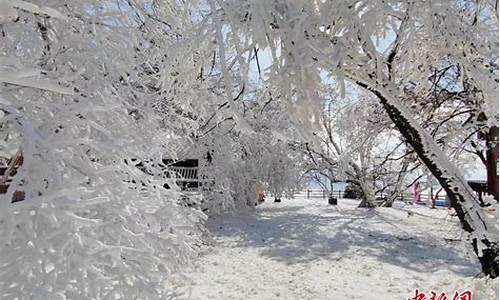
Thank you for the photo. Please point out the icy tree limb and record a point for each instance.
(228, 84)
(36, 83)
(35, 9)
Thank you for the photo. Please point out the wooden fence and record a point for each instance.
(318, 194)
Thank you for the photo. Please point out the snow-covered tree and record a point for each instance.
(377, 46)
(257, 158)
(91, 88)
(355, 143)
(79, 105)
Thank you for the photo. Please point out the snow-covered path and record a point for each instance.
(304, 249)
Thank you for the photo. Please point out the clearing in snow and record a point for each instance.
(307, 249)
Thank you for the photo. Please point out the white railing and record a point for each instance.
(184, 173)
(187, 174)
(310, 194)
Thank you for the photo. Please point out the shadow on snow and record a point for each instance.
(291, 236)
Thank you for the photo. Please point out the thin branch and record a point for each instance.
(256, 51)
(453, 115)
(310, 154)
(213, 63)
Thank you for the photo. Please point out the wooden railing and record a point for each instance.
(6, 174)
(187, 174)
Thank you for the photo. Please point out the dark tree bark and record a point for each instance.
(462, 198)
(492, 161)
(366, 204)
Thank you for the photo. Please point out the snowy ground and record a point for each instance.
(306, 249)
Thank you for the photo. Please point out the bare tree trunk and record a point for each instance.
(366, 204)
(390, 199)
(369, 195)
(462, 198)
(492, 161)
(396, 191)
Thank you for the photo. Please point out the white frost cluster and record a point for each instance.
(73, 102)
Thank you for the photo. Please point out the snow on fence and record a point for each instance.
(6, 174)
(187, 174)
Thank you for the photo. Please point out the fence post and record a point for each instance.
(308, 192)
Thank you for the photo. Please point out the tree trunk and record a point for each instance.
(366, 204)
(359, 178)
(492, 161)
(484, 238)
(396, 191)
(389, 201)
(368, 195)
